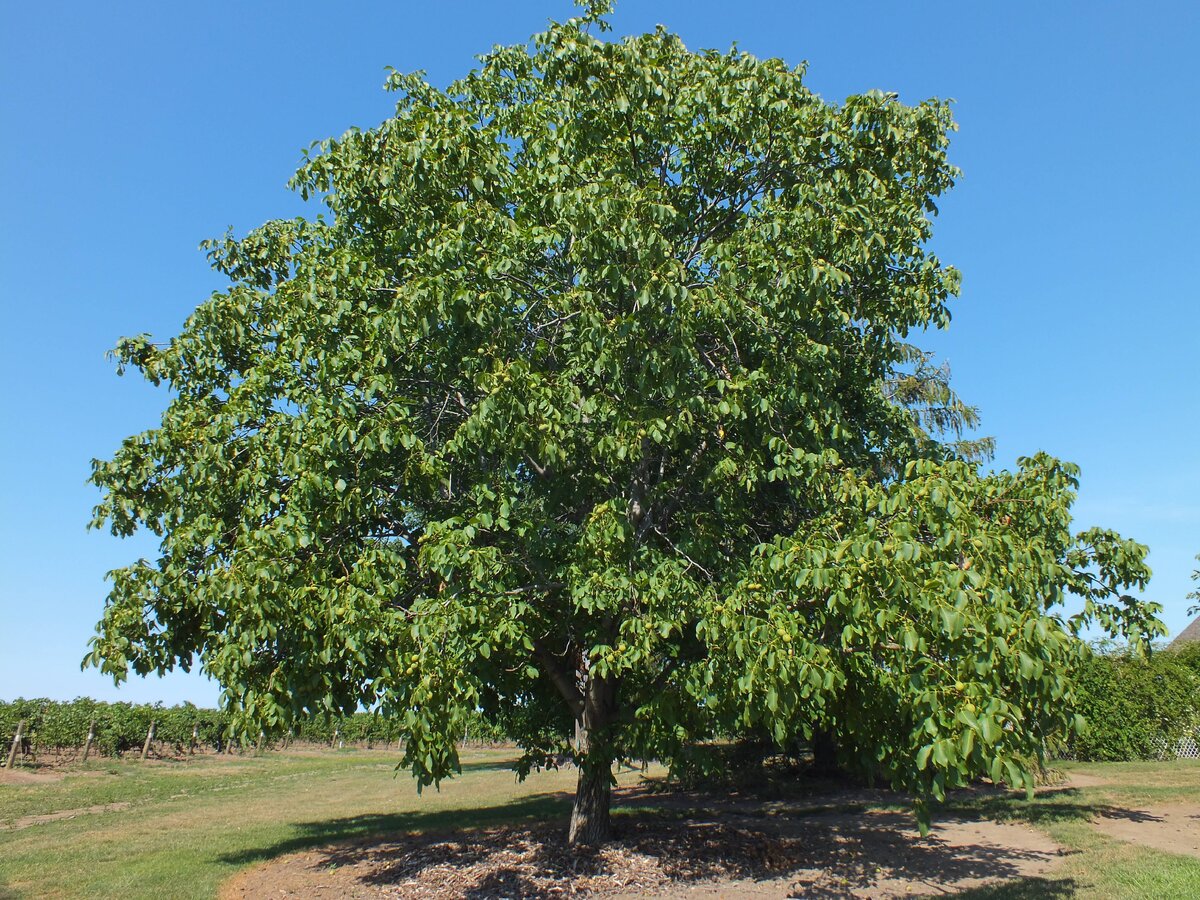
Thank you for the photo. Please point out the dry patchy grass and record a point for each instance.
(180, 829)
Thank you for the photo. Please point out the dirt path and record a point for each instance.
(1172, 828)
(875, 854)
(22, 776)
(29, 821)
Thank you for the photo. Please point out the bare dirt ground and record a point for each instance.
(729, 852)
(1172, 828)
(23, 776)
(1169, 827)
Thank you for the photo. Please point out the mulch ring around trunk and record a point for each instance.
(876, 853)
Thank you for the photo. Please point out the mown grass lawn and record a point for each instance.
(190, 825)
(178, 829)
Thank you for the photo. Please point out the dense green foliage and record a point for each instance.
(122, 727)
(1136, 706)
(589, 403)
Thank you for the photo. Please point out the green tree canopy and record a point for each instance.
(587, 403)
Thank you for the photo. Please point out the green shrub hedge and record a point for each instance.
(1136, 708)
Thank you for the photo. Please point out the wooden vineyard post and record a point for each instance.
(149, 738)
(195, 738)
(91, 739)
(333, 742)
(12, 754)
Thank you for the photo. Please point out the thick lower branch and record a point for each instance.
(562, 676)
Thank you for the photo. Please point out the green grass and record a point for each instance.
(184, 827)
(191, 825)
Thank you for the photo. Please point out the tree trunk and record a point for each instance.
(825, 754)
(593, 704)
(590, 822)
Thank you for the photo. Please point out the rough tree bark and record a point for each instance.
(593, 703)
(590, 822)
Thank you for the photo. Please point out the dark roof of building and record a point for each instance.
(1188, 635)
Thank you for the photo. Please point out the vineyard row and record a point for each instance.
(55, 726)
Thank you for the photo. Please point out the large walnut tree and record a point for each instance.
(588, 403)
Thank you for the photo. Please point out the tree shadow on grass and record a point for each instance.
(1046, 808)
(537, 808)
(842, 854)
(490, 765)
(1023, 889)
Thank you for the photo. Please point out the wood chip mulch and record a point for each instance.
(535, 862)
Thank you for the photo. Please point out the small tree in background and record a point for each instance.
(1195, 595)
(585, 405)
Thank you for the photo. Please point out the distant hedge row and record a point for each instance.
(1137, 708)
(120, 727)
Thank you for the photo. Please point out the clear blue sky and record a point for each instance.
(131, 131)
